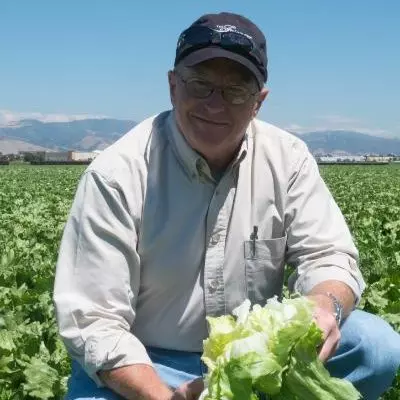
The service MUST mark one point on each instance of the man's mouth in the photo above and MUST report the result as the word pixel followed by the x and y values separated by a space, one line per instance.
pixel 209 121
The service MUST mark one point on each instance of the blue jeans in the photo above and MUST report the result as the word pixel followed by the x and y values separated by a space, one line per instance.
pixel 368 356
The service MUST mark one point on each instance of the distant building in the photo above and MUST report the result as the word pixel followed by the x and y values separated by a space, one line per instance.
pixel 327 159
pixel 348 159
pixel 63 156
pixel 82 156
pixel 341 159
pixel 379 158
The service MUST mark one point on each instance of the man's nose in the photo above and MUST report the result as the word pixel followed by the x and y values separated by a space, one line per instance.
pixel 215 102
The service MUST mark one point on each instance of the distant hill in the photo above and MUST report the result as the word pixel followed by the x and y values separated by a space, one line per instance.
pixel 85 135
pixel 9 146
pixel 355 143
pixel 97 134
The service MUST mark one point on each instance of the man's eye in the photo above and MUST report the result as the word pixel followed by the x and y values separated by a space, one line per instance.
pixel 199 84
pixel 236 91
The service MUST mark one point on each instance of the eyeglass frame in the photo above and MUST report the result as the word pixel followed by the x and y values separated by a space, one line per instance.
pixel 213 88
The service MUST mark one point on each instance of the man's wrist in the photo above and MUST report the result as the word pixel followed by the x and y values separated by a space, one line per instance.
pixel 340 290
pixel 324 302
pixel 338 307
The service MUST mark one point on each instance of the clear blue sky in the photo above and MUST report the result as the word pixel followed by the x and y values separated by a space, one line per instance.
pixel 332 64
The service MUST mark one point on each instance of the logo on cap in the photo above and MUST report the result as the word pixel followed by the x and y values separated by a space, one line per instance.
pixel 231 28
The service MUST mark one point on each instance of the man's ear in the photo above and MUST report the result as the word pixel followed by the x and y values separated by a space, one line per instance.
pixel 261 97
pixel 172 86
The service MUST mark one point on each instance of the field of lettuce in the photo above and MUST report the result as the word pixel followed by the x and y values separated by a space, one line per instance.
pixel 34 203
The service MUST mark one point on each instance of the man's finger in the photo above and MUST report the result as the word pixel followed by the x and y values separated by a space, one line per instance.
pixel 329 347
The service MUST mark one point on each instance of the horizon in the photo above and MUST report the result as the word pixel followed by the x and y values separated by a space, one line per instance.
pixel 14 120
pixel 18 122
pixel 332 66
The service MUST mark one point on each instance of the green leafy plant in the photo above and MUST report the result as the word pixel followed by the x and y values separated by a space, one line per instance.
pixel 34 205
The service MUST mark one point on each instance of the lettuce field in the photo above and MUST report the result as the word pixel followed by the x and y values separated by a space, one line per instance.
pixel 34 203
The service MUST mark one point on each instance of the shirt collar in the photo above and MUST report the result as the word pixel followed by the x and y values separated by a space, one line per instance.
pixel 194 164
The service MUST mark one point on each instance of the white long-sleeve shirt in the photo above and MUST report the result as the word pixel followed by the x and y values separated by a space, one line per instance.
pixel 153 244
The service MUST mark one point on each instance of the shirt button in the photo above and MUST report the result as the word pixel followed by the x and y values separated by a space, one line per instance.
pixel 215 239
pixel 213 285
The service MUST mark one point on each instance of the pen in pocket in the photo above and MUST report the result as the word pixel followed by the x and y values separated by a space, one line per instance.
pixel 253 238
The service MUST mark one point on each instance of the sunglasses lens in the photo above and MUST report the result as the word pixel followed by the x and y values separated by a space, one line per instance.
pixel 201 36
pixel 198 37
pixel 232 39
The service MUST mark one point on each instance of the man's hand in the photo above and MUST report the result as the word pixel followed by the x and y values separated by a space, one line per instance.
pixel 189 391
pixel 324 318
pixel 324 312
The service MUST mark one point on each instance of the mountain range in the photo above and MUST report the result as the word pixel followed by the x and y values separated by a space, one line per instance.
pixel 80 135
pixel 97 134
pixel 349 142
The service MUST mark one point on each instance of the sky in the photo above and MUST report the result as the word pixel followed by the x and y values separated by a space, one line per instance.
pixel 332 64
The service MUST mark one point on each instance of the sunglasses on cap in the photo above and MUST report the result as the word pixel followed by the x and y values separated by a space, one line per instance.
pixel 198 37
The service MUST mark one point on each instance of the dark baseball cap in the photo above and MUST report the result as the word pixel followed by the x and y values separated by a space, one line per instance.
pixel 224 35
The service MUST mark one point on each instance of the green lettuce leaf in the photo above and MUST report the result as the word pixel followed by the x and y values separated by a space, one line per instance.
pixel 308 378
pixel 269 350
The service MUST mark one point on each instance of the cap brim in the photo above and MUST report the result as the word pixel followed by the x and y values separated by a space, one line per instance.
pixel 209 53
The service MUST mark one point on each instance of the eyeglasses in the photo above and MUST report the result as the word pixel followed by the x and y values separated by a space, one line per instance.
pixel 201 36
pixel 201 89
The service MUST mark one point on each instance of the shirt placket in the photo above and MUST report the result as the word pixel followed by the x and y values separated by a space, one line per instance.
pixel 216 231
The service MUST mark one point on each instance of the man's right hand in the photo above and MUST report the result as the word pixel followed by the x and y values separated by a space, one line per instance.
pixel 189 391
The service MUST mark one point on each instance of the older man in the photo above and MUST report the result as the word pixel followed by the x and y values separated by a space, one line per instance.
pixel 190 213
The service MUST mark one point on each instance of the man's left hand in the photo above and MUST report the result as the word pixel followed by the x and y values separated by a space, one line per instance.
pixel 325 319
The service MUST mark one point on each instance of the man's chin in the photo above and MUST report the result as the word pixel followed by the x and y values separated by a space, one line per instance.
pixel 211 134
pixel 209 140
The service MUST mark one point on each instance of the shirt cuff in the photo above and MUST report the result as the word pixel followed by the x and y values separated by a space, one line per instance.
pixel 107 352
pixel 306 281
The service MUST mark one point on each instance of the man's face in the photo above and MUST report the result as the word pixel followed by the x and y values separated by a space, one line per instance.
pixel 213 126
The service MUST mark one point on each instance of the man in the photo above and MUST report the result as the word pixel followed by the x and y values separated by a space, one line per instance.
pixel 190 213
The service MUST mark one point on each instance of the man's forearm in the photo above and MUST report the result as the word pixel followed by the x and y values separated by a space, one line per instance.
pixel 136 382
pixel 339 289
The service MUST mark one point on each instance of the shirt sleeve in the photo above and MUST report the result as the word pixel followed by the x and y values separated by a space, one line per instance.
pixel 319 242
pixel 97 279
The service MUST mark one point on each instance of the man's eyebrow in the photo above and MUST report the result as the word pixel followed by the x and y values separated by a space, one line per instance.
pixel 238 80
pixel 198 72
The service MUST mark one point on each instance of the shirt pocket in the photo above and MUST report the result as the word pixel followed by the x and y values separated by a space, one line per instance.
pixel 264 267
